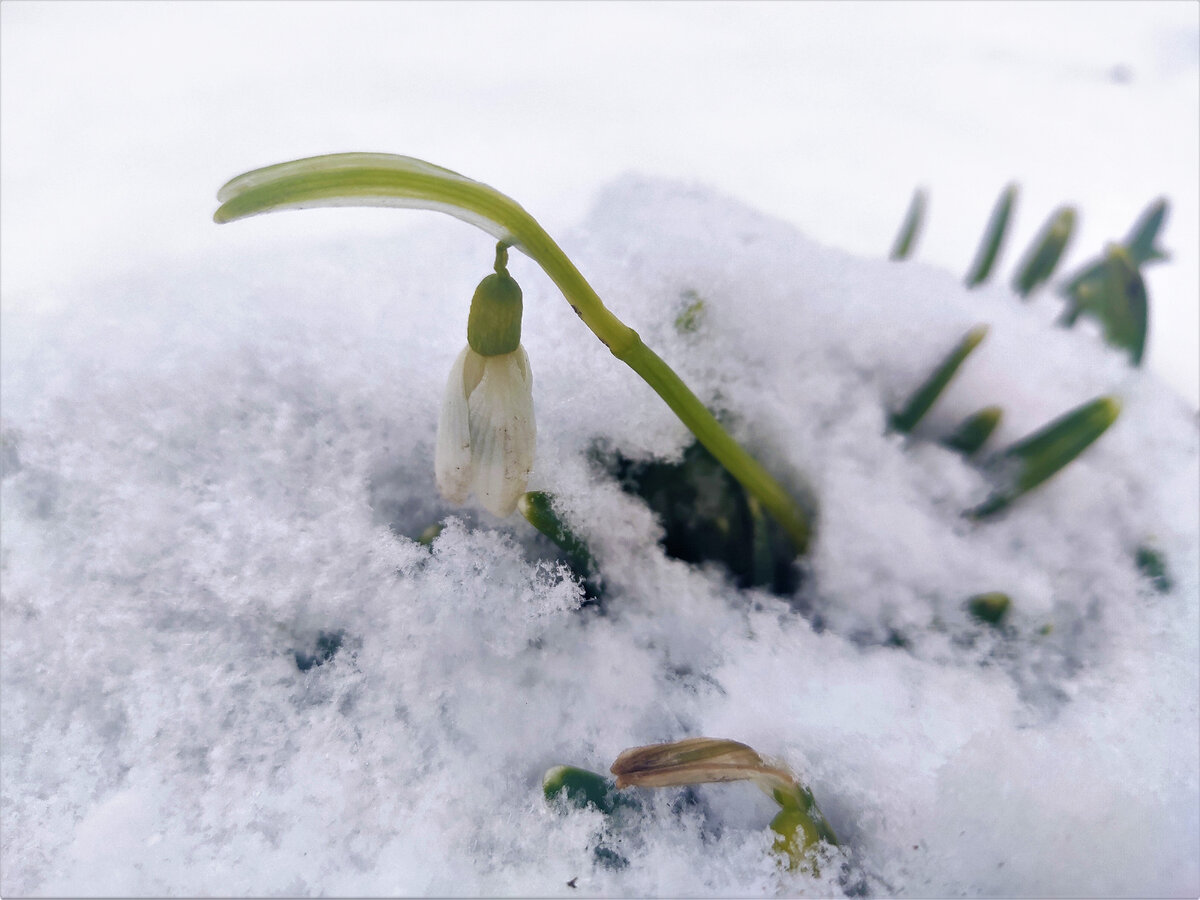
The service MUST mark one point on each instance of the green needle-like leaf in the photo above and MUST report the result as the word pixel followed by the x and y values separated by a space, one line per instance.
pixel 1044 254
pixel 974 431
pixel 1032 460
pixel 1141 240
pixel 910 230
pixel 993 237
pixel 923 398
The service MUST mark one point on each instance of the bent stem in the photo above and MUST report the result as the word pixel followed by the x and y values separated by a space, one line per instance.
pixel 382 179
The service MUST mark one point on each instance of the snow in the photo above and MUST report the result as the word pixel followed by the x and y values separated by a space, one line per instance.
pixel 210 462
pixel 218 454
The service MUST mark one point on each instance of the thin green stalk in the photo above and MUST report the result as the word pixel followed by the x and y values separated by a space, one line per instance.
pixel 381 179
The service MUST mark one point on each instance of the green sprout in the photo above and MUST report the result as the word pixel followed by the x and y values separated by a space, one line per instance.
pixel 380 179
pixel 1111 290
pixel 974 431
pixel 991 608
pixel 926 395
pixel 580 788
pixel 691 317
pixel 1029 462
pixel 1153 566
pixel 910 230
pixel 1045 252
pixel 538 508
pixel 1142 240
pixel 993 237
pixel 799 825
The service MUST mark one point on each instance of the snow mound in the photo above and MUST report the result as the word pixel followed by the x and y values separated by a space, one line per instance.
pixel 230 668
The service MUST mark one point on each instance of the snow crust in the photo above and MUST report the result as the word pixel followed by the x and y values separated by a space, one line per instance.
pixel 207 468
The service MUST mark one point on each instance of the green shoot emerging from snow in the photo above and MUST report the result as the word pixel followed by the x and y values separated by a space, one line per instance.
pixel 993 237
pixel 800 827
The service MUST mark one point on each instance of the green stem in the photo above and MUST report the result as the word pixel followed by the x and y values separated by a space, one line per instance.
pixel 627 346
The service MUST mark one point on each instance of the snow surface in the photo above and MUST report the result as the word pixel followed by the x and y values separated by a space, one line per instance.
pixel 207 467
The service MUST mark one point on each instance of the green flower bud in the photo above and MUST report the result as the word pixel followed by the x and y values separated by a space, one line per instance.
pixel 494 323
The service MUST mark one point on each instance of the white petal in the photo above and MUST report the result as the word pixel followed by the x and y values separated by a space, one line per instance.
pixel 503 433
pixel 452 460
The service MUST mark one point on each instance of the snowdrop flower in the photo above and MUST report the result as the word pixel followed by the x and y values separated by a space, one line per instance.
pixel 486 433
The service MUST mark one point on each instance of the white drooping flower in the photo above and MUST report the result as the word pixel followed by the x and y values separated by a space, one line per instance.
pixel 486 434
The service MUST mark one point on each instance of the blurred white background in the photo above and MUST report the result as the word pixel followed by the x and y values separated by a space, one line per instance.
pixel 120 121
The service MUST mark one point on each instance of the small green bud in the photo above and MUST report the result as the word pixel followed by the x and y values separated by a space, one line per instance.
pixel 494 323
pixel 991 607
pixel 1152 565
pixel 430 534
pixel 974 431
pixel 579 787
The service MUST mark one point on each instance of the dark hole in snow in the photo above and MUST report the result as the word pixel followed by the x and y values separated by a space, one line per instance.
pixel 708 517
pixel 323 649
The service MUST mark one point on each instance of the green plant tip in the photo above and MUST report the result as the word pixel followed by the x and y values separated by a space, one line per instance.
pixel 538 509
pixel 924 397
pixel 579 788
pixel 1141 242
pixel 1044 254
pixel 993 237
pixel 690 319
pixel 910 229
pixel 991 608
pixel 1032 460
pixel 1152 566
pixel 972 434
pixel 429 535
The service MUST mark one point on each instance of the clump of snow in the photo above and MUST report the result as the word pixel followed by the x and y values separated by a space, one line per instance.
pixel 207 470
